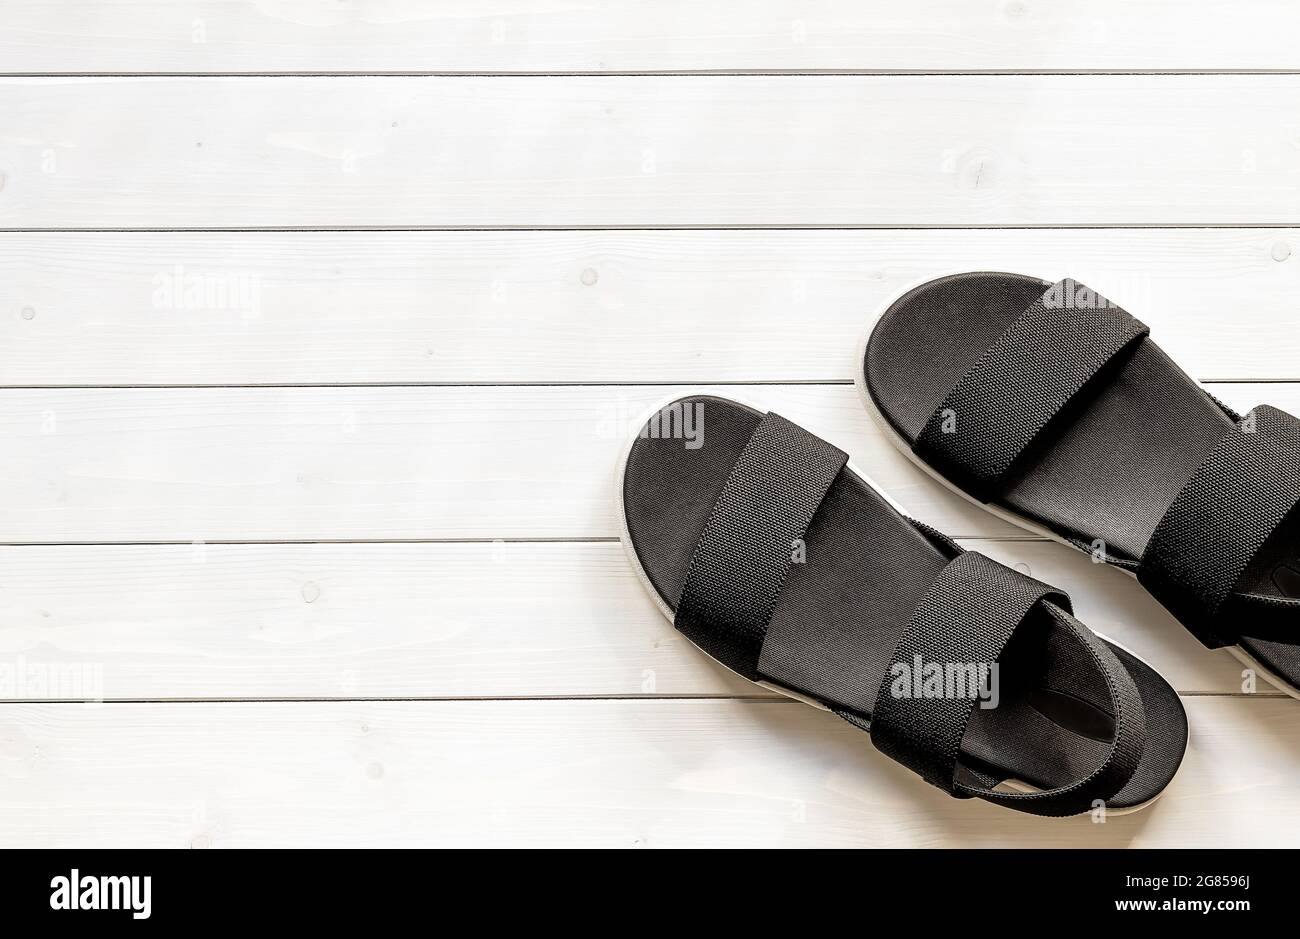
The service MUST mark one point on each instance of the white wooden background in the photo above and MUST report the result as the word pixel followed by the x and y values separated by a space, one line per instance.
pixel 321 323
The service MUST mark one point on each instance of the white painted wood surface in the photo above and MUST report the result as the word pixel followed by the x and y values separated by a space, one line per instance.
pixel 626 35
pixel 364 589
pixel 145 308
pixel 607 773
pixel 636 151
pixel 213 464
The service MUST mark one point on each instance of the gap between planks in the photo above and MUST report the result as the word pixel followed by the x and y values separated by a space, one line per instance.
pixel 666 383
pixel 674 73
pixel 1010 539
pixel 471 699
pixel 635 227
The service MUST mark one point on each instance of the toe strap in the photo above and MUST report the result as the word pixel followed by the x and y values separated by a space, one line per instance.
pixel 1049 355
pixel 740 563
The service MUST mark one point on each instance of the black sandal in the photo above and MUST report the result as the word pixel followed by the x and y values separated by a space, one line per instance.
pixel 1053 408
pixel 789 567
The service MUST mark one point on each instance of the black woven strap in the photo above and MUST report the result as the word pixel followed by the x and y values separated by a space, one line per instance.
pixel 1043 360
pixel 960 628
pixel 964 621
pixel 744 554
pixel 1122 757
pixel 1216 525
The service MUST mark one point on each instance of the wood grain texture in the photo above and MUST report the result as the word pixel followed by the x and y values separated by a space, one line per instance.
pixel 238 464
pixel 143 308
pixel 430 620
pixel 638 151
pixel 588 773
pixel 545 35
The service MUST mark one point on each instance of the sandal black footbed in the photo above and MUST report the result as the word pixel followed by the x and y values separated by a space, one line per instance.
pixel 836 624
pixel 1104 470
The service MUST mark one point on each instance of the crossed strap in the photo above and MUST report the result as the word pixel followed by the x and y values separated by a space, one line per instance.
pixel 1044 360
pixel 1234 501
pixel 740 564
pixel 961 627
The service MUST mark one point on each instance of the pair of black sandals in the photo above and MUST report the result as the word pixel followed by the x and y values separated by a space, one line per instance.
pixel 1052 408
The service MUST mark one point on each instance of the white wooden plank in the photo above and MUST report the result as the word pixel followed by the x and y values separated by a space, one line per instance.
pixel 373 620
pixel 595 306
pixel 581 773
pixel 179 464
pixel 425 620
pixel 544 35
pixel 723 150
